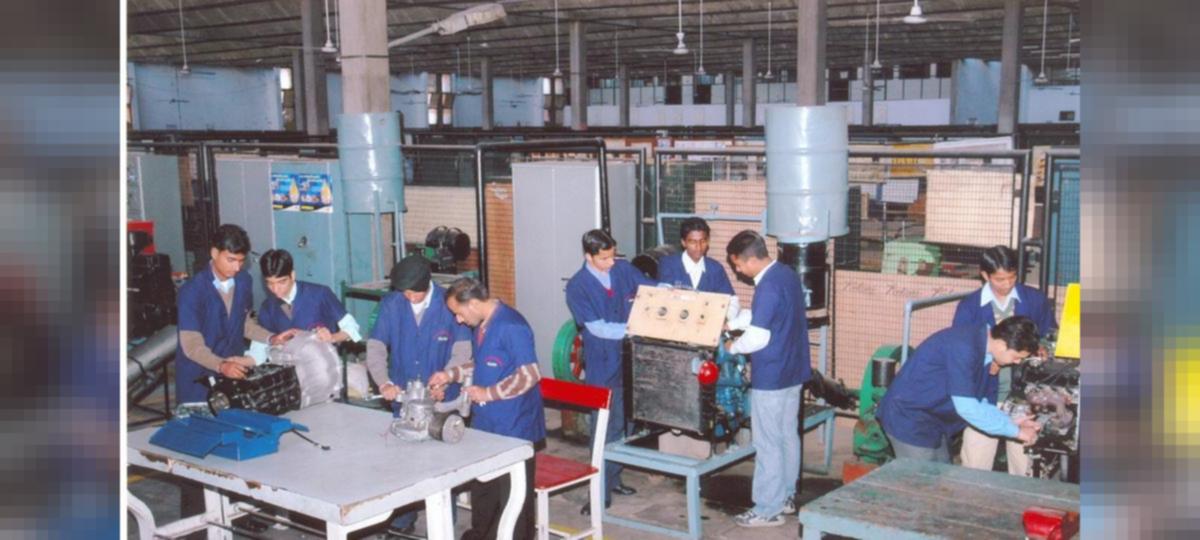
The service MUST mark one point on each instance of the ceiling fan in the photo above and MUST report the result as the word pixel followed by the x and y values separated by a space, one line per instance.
pixel 328 47
pixel 916 15
pixel 680 47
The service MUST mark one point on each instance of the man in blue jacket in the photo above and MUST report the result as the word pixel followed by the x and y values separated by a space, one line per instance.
pixel 301 305
pixel 1000 297
pixel 214 317
pixel 421 336
pixel 600 296
pixel 776 338
pixel 505 394
pixel 942 387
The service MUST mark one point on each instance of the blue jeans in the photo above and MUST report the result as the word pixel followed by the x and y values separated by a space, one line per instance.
pixel 616 430
pixel 941 454
pixel 775 425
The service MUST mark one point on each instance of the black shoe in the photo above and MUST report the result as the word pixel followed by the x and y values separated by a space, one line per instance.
pixel 623 489
pixel 586 510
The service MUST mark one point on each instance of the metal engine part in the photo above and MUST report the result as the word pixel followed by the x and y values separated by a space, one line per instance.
pixel 714 411
pixel 1048 391
pixel 268 388
pixel 421 418
pixel 446 246
pixel 318 367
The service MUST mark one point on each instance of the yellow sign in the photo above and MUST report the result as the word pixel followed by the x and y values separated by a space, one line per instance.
pixel 1068 329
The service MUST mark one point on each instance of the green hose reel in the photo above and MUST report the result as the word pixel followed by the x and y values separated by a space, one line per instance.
pixel 567 357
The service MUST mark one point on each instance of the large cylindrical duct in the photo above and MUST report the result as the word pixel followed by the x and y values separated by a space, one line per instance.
pixel 372 169
pixel 148 356
pixel 807 173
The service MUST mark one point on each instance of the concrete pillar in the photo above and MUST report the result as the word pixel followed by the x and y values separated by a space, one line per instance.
pixel 868 97
pixel 1010 68
pixel 298 89
pixel 748 86
pixel 730 99
pixel 485 73
pixel 579 89
pixel 810 53
pixel 316 99
pixel 366 84
pixel 623 104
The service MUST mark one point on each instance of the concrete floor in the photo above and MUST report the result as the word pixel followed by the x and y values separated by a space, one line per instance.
pixel 660 498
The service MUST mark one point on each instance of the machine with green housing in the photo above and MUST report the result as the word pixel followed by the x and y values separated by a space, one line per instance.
pixel 870 444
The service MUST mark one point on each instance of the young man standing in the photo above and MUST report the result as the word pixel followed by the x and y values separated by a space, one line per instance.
pixel 1000 297
pixel 693 268
pixel 506 397
pixel 776 338
pixel 214 317
pixel 941 389
pixel 421 336
pixel 600 296
pixel 300 305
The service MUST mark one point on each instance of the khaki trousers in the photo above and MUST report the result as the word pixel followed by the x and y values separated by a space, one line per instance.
pixel 979 452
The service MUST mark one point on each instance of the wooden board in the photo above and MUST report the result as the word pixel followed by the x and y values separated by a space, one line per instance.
pixel 433 206
pixel 678 315
pixel 970 206
pixel 908 499
pixel 869 312
pixel 498 210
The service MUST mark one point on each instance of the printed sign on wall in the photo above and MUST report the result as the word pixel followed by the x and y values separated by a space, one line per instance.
pixel 285 192
pixel 316 193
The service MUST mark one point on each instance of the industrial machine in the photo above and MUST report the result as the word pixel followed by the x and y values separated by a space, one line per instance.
pixel 268 388
pixel 870 443
pixel 150 290
pixel 676 342
pixel 445 247
pixel 421 418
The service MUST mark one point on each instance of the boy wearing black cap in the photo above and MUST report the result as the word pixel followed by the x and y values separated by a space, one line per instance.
pixel 420 334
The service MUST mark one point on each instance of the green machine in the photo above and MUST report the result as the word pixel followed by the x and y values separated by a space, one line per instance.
pixel 870 444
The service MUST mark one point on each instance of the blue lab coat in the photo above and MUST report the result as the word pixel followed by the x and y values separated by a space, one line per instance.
pixel 202 310
pixel 917 408
pixel 314 307
pixel 713 279
pixel 501 349
pixel 418 351
pixel 1033 304
pixel 779 306
pixel 589 301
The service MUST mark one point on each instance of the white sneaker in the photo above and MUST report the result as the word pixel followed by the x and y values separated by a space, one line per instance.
pixel 750 519
pixel 789 506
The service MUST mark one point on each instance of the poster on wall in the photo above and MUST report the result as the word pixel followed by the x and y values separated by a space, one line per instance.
pixel 285 192
pixel 316 193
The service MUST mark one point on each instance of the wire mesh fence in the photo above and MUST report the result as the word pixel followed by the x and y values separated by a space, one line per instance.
pixel 918 222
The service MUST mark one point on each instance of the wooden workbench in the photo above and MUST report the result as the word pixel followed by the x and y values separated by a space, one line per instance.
pixel 907 499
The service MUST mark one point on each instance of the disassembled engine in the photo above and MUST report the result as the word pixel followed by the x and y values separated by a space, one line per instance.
pixel 421 418
pixel 682 378
pixel 318 367
pixel 1048 391
pixel 268 388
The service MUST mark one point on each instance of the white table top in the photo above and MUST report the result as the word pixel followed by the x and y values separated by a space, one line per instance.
pixel 366 472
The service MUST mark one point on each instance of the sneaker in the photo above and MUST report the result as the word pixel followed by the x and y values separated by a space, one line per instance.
pixel 750 519
pixel 789 506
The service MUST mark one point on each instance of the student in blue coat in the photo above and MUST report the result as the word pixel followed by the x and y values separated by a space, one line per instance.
pixel 295 305
pixel 421 336
pixel 693 269
pixel 214 317
pixel 1000 297
pixel 506 397
pixel 600 296
pixel 776 338
pixel 942 387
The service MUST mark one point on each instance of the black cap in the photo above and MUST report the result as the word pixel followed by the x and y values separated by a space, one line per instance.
pixel 411 274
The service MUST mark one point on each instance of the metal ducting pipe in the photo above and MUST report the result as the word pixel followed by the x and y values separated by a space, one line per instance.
pixel 373 175
pixel 807 173
pixel 144 360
